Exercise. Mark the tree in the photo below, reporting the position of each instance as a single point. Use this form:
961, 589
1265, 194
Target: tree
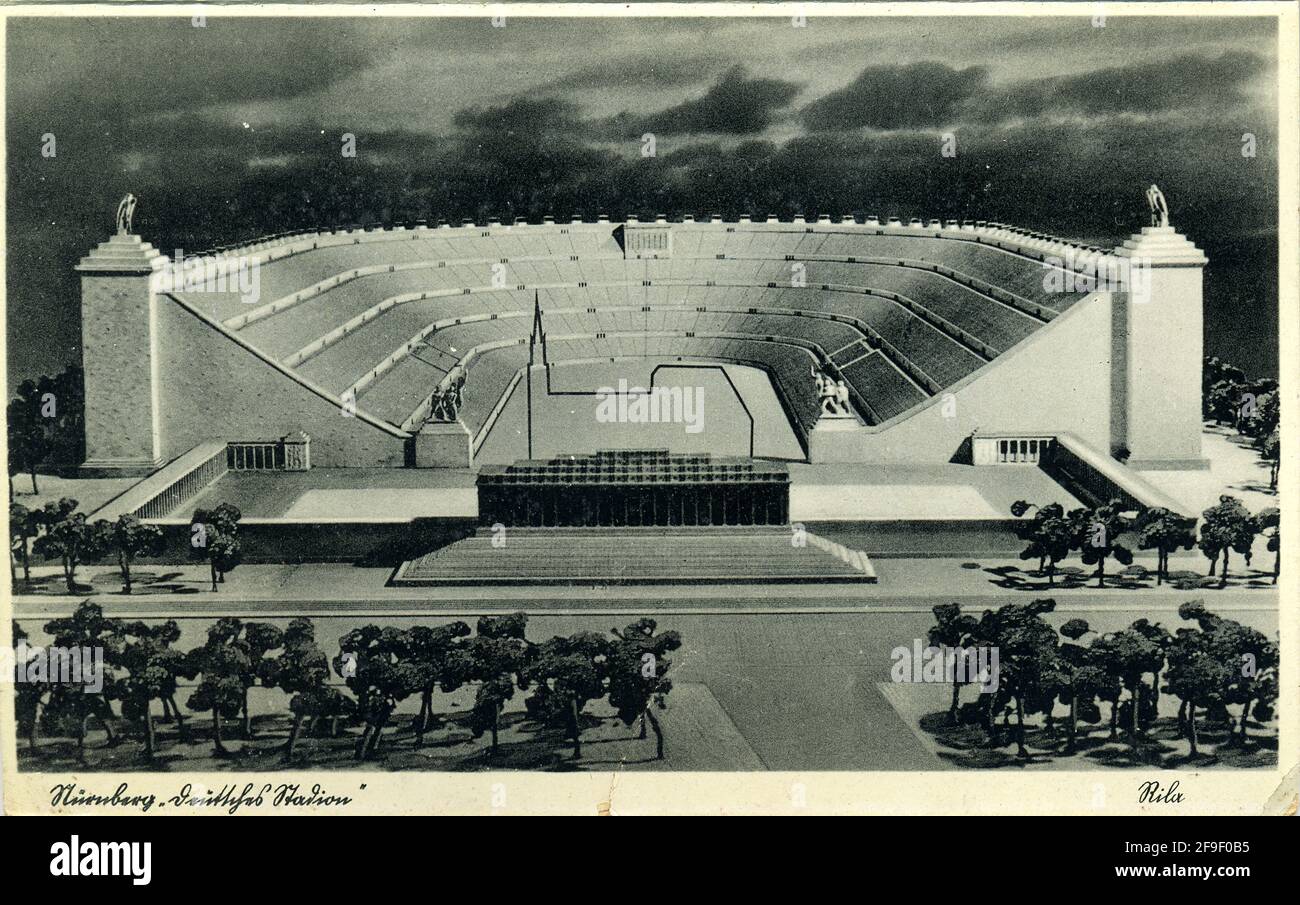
1110, 689
68, 387
258, 639
214, 536
1196, 611
567, 673
1223, 401
1049, 535
1262, 417
73, 700
30, 693
1028, 662
223, 519
223, 663
69, 538
1250, 662
1156, 633
1220, 388
152, 667
1029, 667
1097, 535
1196, 676
31, 421
303, 671
128, 538
1127, 656
953, 631
1268, 523
378, 667
638, 668
497, 658
24, 525
1084, 681
1225, 527
224, 554
433, 651
1165, 531
1271, 451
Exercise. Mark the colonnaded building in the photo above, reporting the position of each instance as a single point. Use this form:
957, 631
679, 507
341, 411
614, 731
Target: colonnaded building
851, 353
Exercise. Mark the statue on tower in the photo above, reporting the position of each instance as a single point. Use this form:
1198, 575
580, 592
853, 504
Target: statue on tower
125, 211
1159, 209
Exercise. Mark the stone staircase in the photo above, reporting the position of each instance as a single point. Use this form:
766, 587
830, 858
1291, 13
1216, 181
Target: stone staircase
608, 556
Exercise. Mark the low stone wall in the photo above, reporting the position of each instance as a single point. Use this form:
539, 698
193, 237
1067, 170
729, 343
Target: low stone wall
909, 539
365, 543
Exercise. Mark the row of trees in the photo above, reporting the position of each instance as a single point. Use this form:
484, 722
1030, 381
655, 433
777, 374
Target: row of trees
1100, 533
57, 531
380, 666
1217, 664
46, 420
1252, 407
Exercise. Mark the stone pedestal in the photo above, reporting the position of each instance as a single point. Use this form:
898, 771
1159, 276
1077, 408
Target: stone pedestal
837, 439
444, 446
120, 357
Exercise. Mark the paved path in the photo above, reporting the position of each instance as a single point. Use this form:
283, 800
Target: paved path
334, 586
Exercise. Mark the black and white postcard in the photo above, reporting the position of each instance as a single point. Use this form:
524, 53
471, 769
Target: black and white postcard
641, 409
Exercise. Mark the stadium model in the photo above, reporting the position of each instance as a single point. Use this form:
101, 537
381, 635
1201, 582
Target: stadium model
966, 343
446, 495
941, 332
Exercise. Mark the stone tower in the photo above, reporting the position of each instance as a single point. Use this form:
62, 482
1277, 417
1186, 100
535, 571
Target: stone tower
1158, 351
120, 357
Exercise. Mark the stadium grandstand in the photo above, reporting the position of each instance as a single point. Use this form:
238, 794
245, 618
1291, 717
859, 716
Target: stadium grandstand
407, 346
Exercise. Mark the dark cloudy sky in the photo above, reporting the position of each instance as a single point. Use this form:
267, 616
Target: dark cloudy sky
233, 130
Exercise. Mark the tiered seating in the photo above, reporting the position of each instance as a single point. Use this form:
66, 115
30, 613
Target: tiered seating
883, 387
375, 312
292, 273
982, 261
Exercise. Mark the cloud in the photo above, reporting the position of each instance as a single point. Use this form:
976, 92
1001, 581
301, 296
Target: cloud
522, 117
658, 70
897, 97
736, 105
122, 67
1186, 81
457, 119
933, 94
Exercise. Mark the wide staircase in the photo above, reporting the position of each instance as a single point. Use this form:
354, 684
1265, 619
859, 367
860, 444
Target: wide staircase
621, 556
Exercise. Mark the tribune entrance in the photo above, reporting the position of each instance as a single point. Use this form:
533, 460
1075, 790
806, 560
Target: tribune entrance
635, 488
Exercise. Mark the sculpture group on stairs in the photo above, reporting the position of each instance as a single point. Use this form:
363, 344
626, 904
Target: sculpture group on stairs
832, 394
445, 403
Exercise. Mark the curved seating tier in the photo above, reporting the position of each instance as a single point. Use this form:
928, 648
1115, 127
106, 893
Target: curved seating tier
387, 316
